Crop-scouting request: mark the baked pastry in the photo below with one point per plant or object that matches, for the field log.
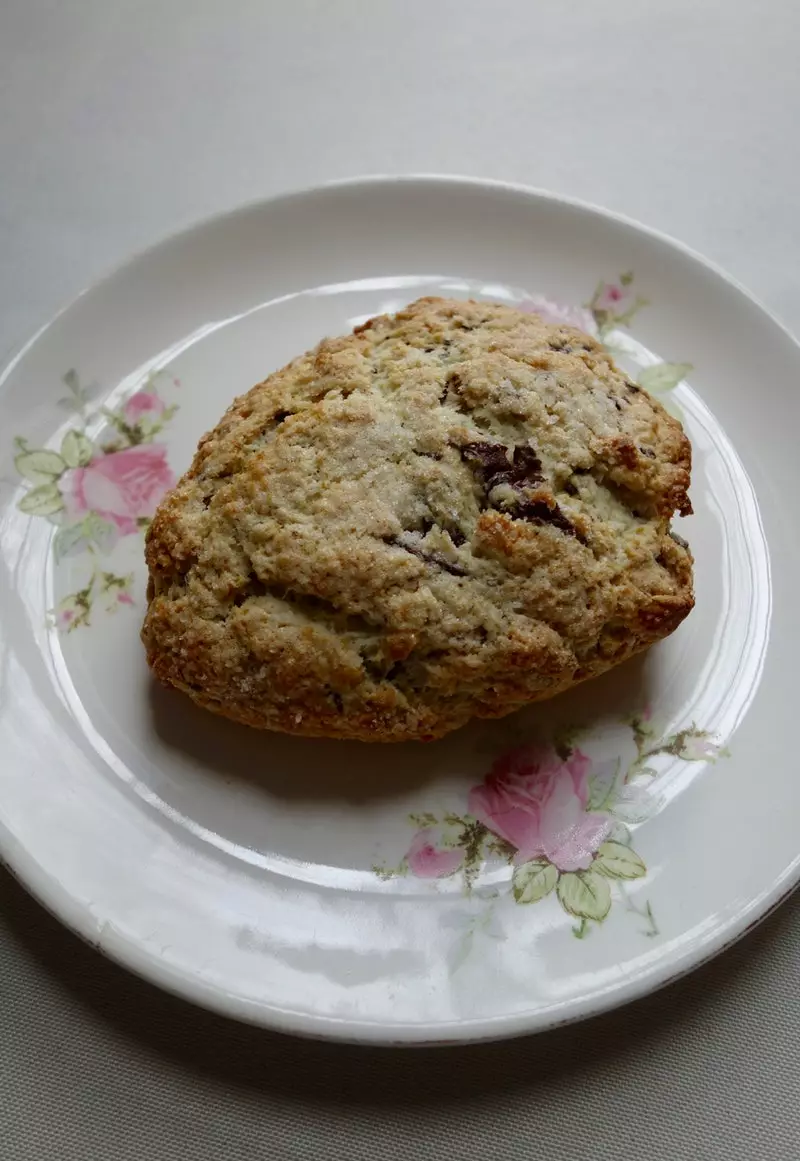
(447, 514)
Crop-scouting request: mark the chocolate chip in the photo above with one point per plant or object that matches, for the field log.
(648, 451)
(457, 536)
(570, 488)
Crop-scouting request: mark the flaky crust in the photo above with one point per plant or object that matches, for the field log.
(451, 512)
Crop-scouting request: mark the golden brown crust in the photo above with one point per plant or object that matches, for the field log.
(447, 514)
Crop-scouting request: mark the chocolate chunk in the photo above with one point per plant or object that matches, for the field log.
(442, 562)
(430, 556)
(537, 512)
(491, 460)
(524, 470)
(451, 383)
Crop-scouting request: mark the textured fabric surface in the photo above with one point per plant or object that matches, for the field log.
(122, 121)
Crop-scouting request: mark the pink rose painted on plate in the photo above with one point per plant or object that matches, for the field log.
(427, 860)
(609, 296)
(98, 490)
(122, 487)
(559, 313)
(560, 819)
(142, 404)
(64, 618)
(614, 304)
(537, 804)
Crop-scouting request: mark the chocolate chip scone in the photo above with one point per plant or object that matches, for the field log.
(451, 512)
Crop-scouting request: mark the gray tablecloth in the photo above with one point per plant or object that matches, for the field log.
(121, 121)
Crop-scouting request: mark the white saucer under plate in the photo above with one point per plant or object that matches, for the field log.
(415, 893)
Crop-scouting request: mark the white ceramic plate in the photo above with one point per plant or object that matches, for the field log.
(407, 893)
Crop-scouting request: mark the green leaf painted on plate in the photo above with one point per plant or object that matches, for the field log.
(533, 880)
(663, 377)
(69, 541)
(76, 449)
(616, 861)
(41, 501)
(585, 895)
(99, 532)
(40, 467)
(603, 785)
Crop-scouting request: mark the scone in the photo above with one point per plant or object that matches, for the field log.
(449, 513)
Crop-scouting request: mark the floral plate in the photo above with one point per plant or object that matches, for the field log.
(517, 874)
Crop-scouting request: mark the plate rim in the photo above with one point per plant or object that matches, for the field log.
(128, 953)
